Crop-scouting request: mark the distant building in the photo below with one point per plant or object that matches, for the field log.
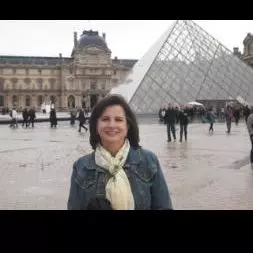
(247, 55)
(66, 82)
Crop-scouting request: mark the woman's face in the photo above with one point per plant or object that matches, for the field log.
(112, 126)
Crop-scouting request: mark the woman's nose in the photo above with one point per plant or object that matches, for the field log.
(111, 123)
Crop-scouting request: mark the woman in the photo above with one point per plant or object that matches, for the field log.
(121, 171)
(229, 117)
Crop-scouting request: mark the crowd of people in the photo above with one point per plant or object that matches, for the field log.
(173, 115)
(184, 114)
(117, 174)
(29, 116)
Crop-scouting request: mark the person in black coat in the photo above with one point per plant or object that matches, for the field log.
(183, 121)
(246, 112)
(31, 116)
(25, 117)
(53, 118)
(82, 120)
(170, 119)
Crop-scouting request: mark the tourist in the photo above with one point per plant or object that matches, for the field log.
(170, 119)
(229, 117)
(183, 121)
(118, 169)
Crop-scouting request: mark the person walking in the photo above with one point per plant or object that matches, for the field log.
(53, 118)
(246, 113)
(25, 117)
(14, 118)
(183, 121)
(73, 113)
(32, 116)
(82, 120)
(211, 119)
(229, 117)
(170, 119)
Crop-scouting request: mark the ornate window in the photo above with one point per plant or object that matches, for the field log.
(28, 101)
(27, 81)
(40, 100)
(71, 101)
(1, 100)
(1, 84)
(39, 81)
(53, 99)
(14, 100)
(52, 82)
(14, 81)
(93, 84)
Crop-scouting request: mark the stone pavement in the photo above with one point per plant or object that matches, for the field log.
(207, 172)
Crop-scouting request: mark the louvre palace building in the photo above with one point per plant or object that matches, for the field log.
(67, 82)
(185, 64)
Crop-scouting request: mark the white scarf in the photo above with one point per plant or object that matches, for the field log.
(118, 189)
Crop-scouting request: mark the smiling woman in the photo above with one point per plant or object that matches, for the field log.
(119, 171)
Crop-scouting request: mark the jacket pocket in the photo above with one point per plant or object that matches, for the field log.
(87, 179)
(145, 173)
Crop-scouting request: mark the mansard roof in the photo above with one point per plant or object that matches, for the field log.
(51, 61)
(33, 60)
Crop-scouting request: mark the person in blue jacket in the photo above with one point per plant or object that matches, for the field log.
(119, 169)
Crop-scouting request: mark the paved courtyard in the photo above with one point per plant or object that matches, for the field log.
(207, 172)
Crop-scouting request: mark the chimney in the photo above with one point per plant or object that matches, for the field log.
(236, 51)
(75, 39)
(104, 35)
(115, 58)
(60, 55)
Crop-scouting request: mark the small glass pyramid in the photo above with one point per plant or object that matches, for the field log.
(186, 64)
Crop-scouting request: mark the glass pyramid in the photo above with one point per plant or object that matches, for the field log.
(186, 64)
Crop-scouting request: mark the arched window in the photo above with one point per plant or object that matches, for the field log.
(39, 82)
(53, 99)
(52, 83)
(93, 84)
(1, 84)
(39, 100)
(1, 100)
(14, 81)
(71, 102)
(27, 101)
(15, 100)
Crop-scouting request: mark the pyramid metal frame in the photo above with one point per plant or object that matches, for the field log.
(186, 64)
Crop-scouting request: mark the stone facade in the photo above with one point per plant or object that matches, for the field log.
(76, 81)
(247, 55)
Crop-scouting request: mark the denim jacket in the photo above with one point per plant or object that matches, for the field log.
(144, 173)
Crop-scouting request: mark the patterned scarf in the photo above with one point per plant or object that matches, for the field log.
(118, 189)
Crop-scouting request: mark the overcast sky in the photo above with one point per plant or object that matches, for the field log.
(127, 39)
